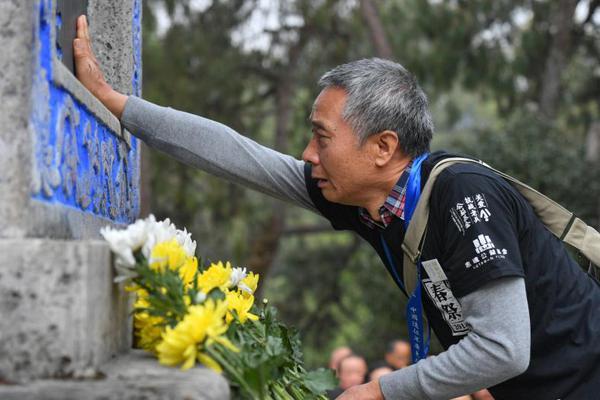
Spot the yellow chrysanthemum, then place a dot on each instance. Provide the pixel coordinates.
(203, 325)
(241, 304)
(173, 256)
(188, 270)
(249, 284)
(148, 329)
(216, 276)
(167, 254)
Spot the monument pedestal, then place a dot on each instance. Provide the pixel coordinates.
(68, 168)
(136, 375)
(61, 311)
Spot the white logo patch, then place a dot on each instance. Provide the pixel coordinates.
(486, 251)
(444, 300)
(473, 210)
(434, 270)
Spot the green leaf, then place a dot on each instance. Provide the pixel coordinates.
(320, 380)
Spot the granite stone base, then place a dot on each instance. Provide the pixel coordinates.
(61, 313)
(136, 375)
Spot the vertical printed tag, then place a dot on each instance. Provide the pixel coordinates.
(434, 270)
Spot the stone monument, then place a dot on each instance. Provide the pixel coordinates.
(68, 168)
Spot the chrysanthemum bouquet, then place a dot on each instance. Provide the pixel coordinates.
(184, 314)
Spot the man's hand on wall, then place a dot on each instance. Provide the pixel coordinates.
(87, 70)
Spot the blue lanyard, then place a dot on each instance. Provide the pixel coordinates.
(414, 307)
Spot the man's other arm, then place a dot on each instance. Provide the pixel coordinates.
(496, 349)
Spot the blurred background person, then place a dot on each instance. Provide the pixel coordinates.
(338, 354)
(352, 371)
(378, 372)
(398, 354)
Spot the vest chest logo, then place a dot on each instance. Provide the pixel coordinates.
(442, 297)
(471, 211)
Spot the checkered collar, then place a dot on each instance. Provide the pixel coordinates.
(393, 205)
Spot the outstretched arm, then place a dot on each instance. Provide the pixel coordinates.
(196, 141)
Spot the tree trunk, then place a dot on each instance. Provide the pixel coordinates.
(265, 245)
(561, 48)
(378, 37)
(592, 155)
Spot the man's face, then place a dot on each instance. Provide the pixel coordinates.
(342, 166)
(400, 357)
(351, 372)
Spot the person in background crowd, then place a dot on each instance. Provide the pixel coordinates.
(338, 354)
(378, 372)
(398, 354)
(351, 371)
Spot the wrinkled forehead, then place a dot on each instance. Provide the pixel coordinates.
(329, 103)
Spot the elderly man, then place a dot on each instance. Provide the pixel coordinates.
(513, 310)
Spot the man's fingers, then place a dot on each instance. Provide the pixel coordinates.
(79, 46)
(85, 28)
(80, 27)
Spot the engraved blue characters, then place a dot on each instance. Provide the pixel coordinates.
(78, 161)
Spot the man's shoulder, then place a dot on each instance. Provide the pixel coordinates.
(459, 174)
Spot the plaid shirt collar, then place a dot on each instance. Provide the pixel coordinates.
(393, 205)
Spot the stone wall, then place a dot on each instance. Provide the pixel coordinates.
(68, 169)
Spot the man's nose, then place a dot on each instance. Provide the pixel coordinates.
(310, 154)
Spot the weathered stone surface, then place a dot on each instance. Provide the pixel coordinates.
(61, 311)
(67, 169)
(16, 71)
(133, 376)
(64, 159)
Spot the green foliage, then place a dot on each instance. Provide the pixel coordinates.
(165, 293)
(269, 364)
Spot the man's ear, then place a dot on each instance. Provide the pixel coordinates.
(384, 146)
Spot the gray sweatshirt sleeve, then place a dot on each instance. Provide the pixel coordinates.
(496, 349)
(217, 149)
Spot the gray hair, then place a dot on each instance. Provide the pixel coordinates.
(383, 95)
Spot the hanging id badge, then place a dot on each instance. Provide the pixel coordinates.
(414, 308)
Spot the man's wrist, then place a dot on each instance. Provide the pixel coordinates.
(113, 100)
(376, 388)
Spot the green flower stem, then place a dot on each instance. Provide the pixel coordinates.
(281, 393)
(213, 352)
(298, 393)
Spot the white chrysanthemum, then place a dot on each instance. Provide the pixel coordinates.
(184, 238)
(158, 232)
(237, 274)
(123, 273)
(245, 288)
(138, 232)
(125, 242)
(119, 243)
